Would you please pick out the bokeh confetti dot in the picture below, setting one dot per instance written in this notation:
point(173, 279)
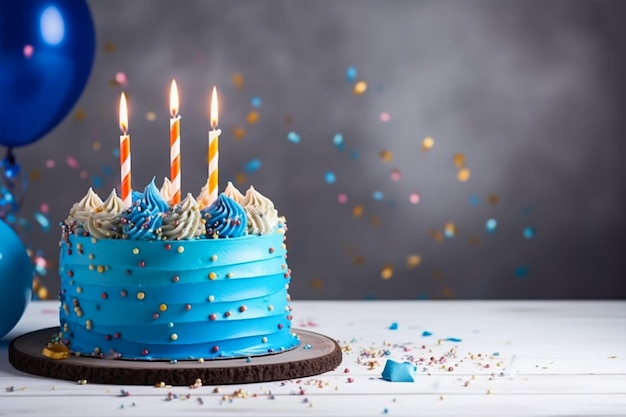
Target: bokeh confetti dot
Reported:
point(386, 156)
point(375, 221)
point(43, 221)
point(351, 74)
point(449, 229)
point(387, 272)
point(44, 207)
point(378, 195)
point(428, 143)
point(338, 139)
point(50, 163)
point(96, 182)
point(412, 261)
point(463, 175)
point(28, 50)
point(493, 199)
point(84, 174)
point(459, 160)
point(528, 232)
point(252, 117)
point(360, 88)
point(151, 116)
point(121, 79)
point(256, 102)
point(357, 211)
point(395, 175)
point(342, 198)
point(239, 132)
point(237, 80)
point(330, 177)
point(253, 165)
point(521, 271)
point(385, 117)
point(96, 146)
point(474, 200)
point(293, 137)
point(414, 198)
point(71, 162)
point(240, 178)
point(491, 225)
point(354, 155)
point(437, 235)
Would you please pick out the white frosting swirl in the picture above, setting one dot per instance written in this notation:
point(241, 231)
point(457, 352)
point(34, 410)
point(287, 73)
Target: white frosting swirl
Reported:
point(166, 189)
point(80, 211)
point(262, 216)
point(232, 192)
point(183, 221)
point(104, 221)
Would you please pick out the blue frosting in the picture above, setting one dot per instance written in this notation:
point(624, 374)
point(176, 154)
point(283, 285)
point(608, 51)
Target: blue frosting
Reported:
point(161, 300)
point(144, 219)
point(225, 218)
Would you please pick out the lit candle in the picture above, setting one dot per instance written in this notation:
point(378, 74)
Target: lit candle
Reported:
point(126, 191)
point(214, 136)
point(174, 145)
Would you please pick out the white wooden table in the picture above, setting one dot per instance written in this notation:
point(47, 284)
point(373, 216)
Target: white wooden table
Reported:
point(489, 358)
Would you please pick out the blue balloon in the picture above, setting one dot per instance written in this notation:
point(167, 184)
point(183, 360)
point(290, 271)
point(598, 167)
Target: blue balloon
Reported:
point(16, 279)
point(47, 49)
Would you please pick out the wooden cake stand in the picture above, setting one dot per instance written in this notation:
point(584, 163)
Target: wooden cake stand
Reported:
point(316, 354)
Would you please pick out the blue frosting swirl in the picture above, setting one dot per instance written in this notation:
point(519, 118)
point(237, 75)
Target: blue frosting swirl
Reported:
point(224, 218)
point(144, 219)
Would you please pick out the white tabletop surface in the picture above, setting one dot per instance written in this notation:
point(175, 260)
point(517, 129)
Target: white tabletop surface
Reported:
point(490, 358)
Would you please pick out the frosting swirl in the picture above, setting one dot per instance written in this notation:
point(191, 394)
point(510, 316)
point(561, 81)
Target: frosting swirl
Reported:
point(232, 192)
point(183, 221)
point(104, 222)
point(224, 218)
point(262, 216)
point(166, 189)
point(79, 213)
point(143, 220)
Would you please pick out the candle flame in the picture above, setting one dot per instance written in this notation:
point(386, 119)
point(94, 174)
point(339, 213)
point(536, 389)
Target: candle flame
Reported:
point(174, 99)
point(123, 114)
point(214, 110)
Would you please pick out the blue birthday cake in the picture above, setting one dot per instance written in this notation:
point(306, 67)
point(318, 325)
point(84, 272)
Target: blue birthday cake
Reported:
point(189, 281)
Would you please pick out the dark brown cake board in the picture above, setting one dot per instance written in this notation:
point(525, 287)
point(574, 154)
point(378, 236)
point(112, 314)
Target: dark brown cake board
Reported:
point(316, 354)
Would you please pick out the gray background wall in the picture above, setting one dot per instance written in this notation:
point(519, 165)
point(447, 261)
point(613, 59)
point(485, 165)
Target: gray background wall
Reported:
point(531, 93)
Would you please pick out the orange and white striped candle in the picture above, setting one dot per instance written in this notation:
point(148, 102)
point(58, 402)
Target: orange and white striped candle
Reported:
point(214, 135)
point(174, 145)
point(126, 191)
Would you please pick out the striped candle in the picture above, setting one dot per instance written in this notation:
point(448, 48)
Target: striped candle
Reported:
point(126, 191)
point(174, 145)
point(214, 135)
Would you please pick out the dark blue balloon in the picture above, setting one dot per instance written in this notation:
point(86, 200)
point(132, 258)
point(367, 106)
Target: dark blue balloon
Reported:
point(47, 50)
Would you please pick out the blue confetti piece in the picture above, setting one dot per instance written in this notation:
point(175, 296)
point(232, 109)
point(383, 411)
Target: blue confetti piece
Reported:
point(378, 195)
point(107, 171)
point(330, 177)
point(399, 372)
point(354, 155)
point(491, 225)
point(96, 182)
point(351, 74)
point(43, 221)
point(474, 200)
point(116, 152)
point(256, 102)
point(426, 333)
point(293, 137)
point(521, 272)
point(393, 326)
point(528, 232)
point(253, 165)
point(453, 339)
